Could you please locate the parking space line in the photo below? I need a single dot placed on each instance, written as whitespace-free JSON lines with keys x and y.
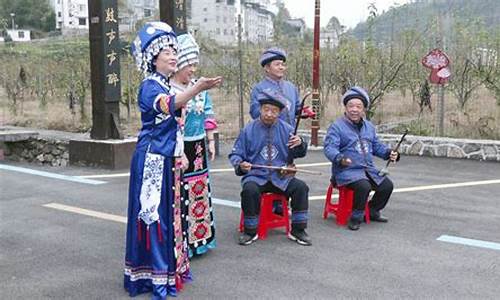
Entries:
{"x":469,"y":242}
{"x":51,"y":175}
{"x":87,"y":212}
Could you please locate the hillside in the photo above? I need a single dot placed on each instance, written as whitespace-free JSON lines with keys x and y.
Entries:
{"x":419,"y":15}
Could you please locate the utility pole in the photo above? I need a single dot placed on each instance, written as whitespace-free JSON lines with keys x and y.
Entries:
{"x":315,"y":93}
{"x":12,"y":15}
{"x":440,"y":112}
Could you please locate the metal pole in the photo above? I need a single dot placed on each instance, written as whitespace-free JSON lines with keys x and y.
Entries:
{"x":12,"y":15}
{"x":240,"y":79}
{"x":315,"y":93}
{"x":440,"y":112}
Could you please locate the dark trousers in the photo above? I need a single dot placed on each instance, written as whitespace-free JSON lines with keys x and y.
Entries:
{"x":362,"y":189}
{"x":297,"y":190}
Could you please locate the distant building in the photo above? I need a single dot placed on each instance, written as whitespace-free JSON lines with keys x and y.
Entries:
{"x":484,"y":57}
{"x":328,"y":38}
{"x":298,"y":26}
{"x":329,"y":35}
{"x":72,"y":15}
{"x":215,"y":19}
{"x":257,"y":20}
{"x":135,"y":11}
{"x":18,"y":35}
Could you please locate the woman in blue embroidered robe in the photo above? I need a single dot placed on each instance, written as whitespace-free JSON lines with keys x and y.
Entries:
{"x":199,"y":124}
{"x":156,"y":257}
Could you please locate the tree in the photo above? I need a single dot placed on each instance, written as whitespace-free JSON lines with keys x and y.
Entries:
{"x":33,"y":14}
{"x":469,"y":35}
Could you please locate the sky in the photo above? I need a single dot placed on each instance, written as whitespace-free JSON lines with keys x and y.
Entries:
{"x":349,"y":12}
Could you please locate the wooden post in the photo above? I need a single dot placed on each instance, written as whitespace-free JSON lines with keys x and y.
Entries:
{"x":104,"y":69}
{"x":315,"y":93}
{"x":173,"y":12}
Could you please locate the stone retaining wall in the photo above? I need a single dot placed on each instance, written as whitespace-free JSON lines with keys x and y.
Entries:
{"x":437,"y":146}
{"x":51,"y":152}
{"x":55,"y":151}
{"x":446,"y":147}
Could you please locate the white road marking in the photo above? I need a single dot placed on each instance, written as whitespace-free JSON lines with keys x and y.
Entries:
{"x":87,"y":212}
{"x":50,"y":175}
{"x":428,"y":187}
{"x":226,"y":202}
{"x":469,"y":242}
{"x":106,"y":175}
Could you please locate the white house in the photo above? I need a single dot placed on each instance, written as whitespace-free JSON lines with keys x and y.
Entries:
{"x":19,"y":35}
{"x":72,"y":15}
{"x":257,"y":20}
{"x":215,"y":19}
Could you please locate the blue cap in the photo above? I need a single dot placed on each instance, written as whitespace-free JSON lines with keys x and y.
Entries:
{"x":271,"y":54}
{"x":150,"y":40}
{"x":356,"y":92}
{"x":270,"y":96}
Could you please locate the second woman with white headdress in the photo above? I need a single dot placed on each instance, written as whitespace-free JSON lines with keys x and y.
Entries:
{"x":199,"y":129}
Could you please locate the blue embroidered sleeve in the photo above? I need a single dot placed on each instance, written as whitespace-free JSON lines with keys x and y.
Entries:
{"x":148,"y":93}
{"x":254,"y":103}
{"x":380,"y":149}
{"x":332,"y":145}
{"x":297,"y":101}
{"x":237,"y":155}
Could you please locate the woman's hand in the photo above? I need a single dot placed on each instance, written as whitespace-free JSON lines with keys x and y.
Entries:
{"x":207,"y":83}
{"x":184,"y":162}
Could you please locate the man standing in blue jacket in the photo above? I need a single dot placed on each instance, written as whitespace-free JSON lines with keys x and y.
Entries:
{"x":273,"y":60}
{"x":269,"y":141}
{"x":350,"y":143}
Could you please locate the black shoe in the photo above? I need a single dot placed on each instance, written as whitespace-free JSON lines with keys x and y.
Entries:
{"x":246,"y":239}
{"x":301,"y":237}
{"x":354,"y":224}
{"x":378,"y":218}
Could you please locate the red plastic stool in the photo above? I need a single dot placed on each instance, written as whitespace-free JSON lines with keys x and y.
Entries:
{"x":268,"y":219}
{"x":343,"y":208}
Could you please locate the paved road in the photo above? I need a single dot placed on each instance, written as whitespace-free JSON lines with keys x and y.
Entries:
{"x":49,"y":253}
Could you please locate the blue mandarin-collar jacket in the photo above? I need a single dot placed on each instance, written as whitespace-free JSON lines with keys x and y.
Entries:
{"x":345,"y":140}
{"x":265,"y":145}
{"x":287,"y":89}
